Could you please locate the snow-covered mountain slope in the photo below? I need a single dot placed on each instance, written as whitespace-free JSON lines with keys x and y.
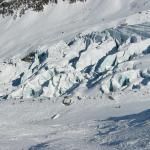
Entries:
{"x":63,"y":21}
{"x":76,"y":76}
{"x":47,"y":125}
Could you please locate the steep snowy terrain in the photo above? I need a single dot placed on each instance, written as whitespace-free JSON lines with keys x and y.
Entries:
{"x":55,"y":23}
{"x":76,"y":76}
{"x":106,"y":62}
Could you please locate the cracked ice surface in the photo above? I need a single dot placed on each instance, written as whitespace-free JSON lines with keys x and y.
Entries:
{"x":95,"y":59}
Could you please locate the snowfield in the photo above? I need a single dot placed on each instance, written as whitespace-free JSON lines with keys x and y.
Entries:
{"x":76,"y":76}
{"x":48,"y":125}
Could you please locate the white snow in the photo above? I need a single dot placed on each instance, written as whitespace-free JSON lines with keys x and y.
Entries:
{"x":86,"y":83}
{"x":55,"y":23}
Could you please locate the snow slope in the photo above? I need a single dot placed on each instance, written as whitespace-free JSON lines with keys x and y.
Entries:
{"x":76,"y":77}
{"x":43,"y":124}
{"x":48,"y":27}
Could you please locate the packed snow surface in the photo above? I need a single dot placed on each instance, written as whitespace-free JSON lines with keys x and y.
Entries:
{"x":90,"y":123}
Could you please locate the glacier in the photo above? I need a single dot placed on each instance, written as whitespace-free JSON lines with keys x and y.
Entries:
{"x":109,"y":59}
